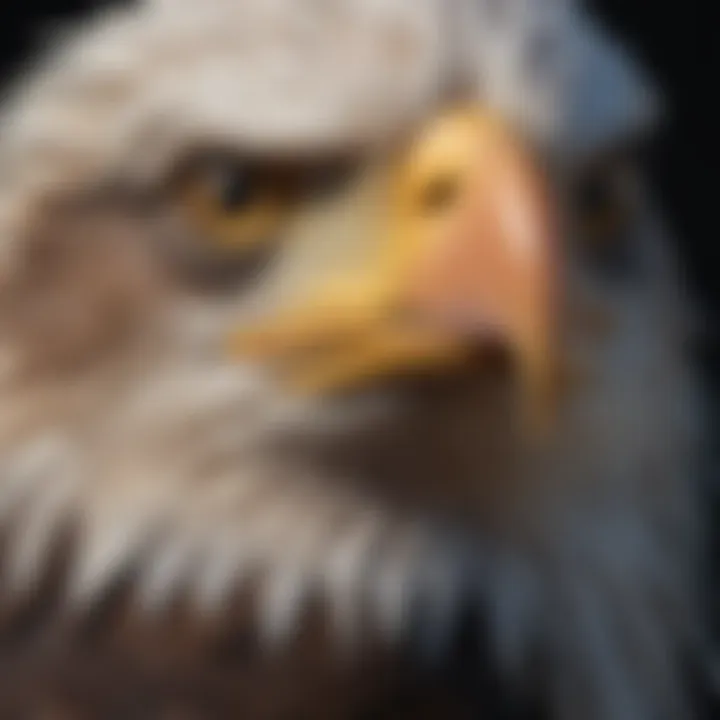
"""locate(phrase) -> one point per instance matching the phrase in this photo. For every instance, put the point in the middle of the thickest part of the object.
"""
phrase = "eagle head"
(363, 304)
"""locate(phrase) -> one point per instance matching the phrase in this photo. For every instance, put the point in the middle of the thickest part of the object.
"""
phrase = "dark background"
(678, 41)
(680, 44)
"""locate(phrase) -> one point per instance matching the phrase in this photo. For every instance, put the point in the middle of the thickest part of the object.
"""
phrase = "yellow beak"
(469, 259)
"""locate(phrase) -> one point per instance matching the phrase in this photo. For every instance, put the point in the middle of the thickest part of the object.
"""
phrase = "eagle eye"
(606, 209)
(234, 206)
(606, 200)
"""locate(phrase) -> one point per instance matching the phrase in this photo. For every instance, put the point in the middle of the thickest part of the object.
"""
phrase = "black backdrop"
(680, 43)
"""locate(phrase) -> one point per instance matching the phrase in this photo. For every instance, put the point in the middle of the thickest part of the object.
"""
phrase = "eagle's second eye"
(606, 198)
(606, 207)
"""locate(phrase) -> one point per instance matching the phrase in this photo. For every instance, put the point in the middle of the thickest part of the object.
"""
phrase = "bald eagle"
(343, 370)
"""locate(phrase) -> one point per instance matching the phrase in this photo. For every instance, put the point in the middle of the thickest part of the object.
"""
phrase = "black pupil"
(596, 196)
(236, 188)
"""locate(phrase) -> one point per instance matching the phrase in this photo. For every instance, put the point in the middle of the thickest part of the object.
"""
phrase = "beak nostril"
(439, 195)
